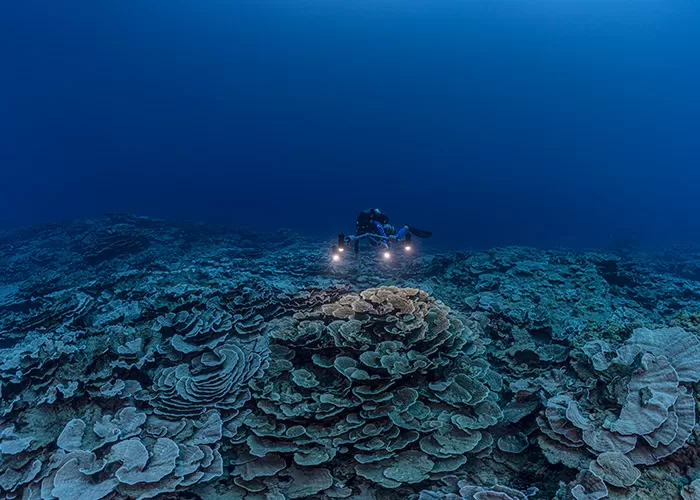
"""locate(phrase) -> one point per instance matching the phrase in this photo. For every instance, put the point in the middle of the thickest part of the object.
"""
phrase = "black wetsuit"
(371, 221)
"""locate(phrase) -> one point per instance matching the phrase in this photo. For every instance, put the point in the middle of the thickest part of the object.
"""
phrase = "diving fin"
(419, 232)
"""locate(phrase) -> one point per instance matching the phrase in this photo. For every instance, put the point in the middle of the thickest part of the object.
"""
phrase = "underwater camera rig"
(384, 243)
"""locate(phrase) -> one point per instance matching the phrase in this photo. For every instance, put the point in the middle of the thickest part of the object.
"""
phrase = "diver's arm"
(380, 229)
(380, 232)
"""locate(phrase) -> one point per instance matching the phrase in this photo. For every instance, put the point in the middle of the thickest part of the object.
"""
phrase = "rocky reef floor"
(142, 358)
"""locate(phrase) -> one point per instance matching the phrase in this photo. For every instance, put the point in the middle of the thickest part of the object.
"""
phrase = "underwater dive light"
(387, 255)
(341, 242)
(407, 242)
(335, 253)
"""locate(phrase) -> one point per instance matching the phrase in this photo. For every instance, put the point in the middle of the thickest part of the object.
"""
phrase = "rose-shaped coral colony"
(388, 386)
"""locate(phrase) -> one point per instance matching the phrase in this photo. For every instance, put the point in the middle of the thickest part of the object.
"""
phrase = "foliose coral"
(386, 386)
(134, 416)
(142, 358)
(633, 407)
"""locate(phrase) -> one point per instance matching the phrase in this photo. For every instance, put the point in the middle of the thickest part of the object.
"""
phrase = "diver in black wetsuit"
(373, 221)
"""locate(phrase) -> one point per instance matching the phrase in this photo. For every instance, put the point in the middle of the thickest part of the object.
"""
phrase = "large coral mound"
(386, 387)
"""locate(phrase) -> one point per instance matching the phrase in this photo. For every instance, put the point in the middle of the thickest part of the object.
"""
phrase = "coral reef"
(631, 406)
(150, 359)
(387, 385)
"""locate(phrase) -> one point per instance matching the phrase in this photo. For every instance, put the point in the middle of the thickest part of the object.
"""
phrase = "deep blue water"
(490, 122)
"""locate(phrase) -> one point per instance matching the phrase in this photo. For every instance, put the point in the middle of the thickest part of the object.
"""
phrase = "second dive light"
(407, 242)
(341, 242)
(339, 248)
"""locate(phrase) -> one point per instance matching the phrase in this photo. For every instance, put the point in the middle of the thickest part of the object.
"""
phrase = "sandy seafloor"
(152, 359)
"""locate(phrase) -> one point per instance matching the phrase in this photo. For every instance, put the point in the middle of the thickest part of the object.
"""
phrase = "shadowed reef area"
(142, 358)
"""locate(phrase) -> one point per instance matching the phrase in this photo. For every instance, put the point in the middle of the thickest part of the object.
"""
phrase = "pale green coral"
(377, 388)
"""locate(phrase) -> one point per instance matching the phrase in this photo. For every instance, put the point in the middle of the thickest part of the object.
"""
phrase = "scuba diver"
(374, 225)
(372, 221)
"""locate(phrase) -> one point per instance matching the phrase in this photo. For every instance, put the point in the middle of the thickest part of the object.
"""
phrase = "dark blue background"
(542, 122)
